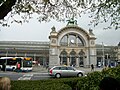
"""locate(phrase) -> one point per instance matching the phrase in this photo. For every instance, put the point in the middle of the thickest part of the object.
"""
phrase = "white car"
(65, 71)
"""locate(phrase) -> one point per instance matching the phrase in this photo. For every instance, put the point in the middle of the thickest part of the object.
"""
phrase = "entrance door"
(73, 58)
(63, 58)
(81, 58)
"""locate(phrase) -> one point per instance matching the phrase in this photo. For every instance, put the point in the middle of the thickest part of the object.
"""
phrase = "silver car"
(65, 71)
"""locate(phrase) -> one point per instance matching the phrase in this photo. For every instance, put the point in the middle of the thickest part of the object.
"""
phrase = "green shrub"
(39, 85)
(72, 82)
(112, 72)
(55, 86)
(91, 82)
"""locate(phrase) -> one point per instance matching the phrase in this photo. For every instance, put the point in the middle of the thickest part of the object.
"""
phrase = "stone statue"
(53, 29)
(72, 22)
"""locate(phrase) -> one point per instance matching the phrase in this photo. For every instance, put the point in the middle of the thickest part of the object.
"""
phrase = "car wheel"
(79, 74)
(13, 68)
(57, 75)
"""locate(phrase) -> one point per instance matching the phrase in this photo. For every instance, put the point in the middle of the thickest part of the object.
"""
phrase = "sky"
(36, 31)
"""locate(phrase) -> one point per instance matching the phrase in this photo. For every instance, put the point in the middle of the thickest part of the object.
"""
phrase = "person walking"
(92, 67)
(4, 67)
(18, 67)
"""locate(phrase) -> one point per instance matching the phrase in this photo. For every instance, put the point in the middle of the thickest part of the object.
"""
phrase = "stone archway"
(81, 56)
(72, 58)
(63, 58)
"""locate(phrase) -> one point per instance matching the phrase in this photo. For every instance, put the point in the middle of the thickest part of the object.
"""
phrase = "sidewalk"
(39, 69)
(43, 69)
(88, 70)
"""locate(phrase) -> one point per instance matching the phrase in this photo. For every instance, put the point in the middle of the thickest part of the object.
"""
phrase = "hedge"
(39, 85)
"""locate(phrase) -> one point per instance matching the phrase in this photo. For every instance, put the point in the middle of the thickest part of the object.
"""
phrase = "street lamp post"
(6, 58)
(103, 54)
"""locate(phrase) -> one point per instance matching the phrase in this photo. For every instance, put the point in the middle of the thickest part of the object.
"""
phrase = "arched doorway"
(81, 58)
(73, 58)
(63, 58)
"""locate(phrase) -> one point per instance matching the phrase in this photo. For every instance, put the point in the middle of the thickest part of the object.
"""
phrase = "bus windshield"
(27, 63)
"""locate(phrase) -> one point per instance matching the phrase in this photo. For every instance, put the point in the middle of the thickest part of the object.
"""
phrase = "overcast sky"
(35, 31)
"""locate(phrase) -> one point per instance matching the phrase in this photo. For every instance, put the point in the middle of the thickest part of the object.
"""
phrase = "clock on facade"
(72, 41)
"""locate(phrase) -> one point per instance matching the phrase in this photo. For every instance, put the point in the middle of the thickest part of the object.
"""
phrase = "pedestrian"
(92, 67)
(18, 67)
(109, 83)
(4, 67)
(5, 83)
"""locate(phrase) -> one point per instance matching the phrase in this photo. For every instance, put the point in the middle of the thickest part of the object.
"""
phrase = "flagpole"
(103, 54)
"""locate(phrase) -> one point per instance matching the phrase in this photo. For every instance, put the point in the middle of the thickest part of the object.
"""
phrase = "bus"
(10, 62)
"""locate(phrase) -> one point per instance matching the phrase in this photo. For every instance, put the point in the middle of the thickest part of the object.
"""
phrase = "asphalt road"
(38, 73)
(25, 76)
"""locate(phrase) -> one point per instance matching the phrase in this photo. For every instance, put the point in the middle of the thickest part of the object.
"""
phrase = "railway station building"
(71, 45)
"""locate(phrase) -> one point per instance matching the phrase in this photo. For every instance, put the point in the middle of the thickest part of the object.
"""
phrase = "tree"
(100, 10)
(106, 11)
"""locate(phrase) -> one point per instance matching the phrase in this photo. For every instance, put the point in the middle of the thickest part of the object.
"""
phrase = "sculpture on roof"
(91, 31)
(53, 29)
(72, 21)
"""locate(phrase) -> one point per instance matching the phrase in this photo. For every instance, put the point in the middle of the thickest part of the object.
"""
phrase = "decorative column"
(92, 48)
(77, 62)
(68, 61)
(53, 52)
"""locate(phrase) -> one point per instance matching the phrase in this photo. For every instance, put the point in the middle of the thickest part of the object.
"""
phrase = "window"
(63, 68)
(70, 68)
(11, 62)
(27, 63)
(64, 41)
(72, 39)
(56, 68)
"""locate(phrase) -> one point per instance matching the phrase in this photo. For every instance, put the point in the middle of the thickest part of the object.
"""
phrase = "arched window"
(80, 41)
(72, 40)
(64, 41)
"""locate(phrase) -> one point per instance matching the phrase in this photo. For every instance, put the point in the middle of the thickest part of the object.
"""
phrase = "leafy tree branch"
(101, 11)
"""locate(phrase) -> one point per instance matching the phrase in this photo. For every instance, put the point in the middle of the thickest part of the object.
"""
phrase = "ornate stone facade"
(72, 45)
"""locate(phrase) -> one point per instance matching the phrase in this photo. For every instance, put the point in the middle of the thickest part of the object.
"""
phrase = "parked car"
(65, 71)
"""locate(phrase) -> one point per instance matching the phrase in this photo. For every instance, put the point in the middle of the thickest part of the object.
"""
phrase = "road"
(26, 76)
(38, 73)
